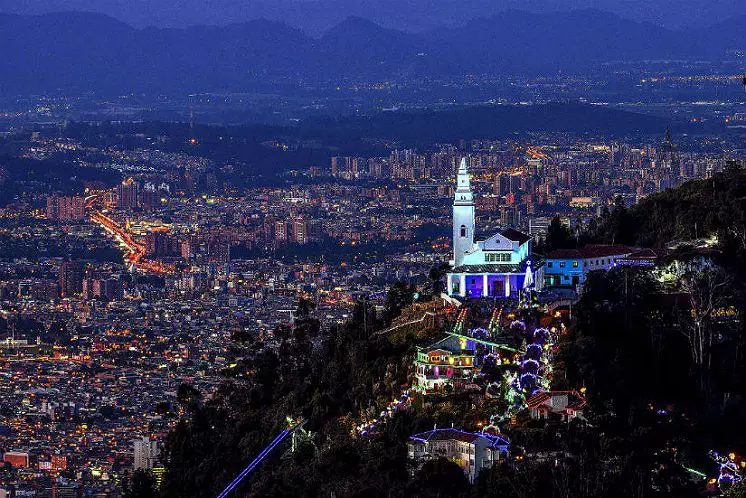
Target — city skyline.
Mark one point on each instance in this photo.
(372, 249)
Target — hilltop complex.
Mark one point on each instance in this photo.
(499, 266)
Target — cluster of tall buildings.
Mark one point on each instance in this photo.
(405, 164)
(40, 290)
(76, 280)
(528, 177)
(65, 208)
(159, 243)
(103, 288)
(210, 248)
(346, 167)
(298, 231)
(23, 459)
(131, 195)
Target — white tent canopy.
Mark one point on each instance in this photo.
(528, 282)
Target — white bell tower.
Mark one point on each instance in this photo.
(463, 215)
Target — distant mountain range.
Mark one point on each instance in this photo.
(85, 52)
(317, 16)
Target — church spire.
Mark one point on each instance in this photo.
(462, 178)
(463, 195)
(463, 215)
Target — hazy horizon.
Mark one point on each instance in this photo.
(315, 16)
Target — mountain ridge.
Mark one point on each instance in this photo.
(411, 15)
(84, 52)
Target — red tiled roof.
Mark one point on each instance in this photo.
(575, 400)
(438, 350)
(591, 251)
(565, 254)
(600, 251)
(537, 399)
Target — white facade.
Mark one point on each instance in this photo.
(146, 453)
(499, 267)
(498, 249)
(470, 451)
(464, 216)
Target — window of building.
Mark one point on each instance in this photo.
(562, 264)
(463, 230)
(550, 264)
(574, 264)
(497, 257)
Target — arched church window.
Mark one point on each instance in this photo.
(463, 230)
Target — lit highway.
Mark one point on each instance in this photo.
(135, 251)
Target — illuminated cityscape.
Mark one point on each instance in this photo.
(355, 260)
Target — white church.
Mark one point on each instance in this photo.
(499, 267)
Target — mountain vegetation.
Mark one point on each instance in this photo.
(662, 364)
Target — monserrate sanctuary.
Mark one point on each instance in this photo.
(499, 267)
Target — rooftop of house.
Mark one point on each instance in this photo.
(451, 434)
(557, 400)
(591, 251)
(515, 235)
(448, 344)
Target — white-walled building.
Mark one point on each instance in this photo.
(470, 451)
(146, 453)
(567, 405)
(498, 267)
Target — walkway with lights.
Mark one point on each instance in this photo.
(493, 329)
(535, 371)
(407, 324)
(293, 425)
(402, 401)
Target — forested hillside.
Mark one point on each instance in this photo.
(662, 366)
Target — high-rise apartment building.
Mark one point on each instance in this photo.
(146, 453)
(128, 194)
(71, 279)
(65, 208)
